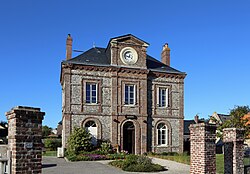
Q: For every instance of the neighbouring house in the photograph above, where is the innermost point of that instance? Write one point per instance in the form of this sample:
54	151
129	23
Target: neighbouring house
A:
186	132
218	119
122	94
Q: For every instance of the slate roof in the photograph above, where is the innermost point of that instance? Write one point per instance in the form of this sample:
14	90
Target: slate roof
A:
97	56
224	117
186	126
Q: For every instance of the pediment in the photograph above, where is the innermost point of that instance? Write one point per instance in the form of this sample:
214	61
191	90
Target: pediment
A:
129	39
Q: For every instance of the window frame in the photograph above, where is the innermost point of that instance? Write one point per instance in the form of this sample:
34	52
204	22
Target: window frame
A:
163	103
127	101
91	92
159	135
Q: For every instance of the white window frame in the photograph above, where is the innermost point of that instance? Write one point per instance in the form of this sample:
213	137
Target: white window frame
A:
91	90
160	134
160	96
129	99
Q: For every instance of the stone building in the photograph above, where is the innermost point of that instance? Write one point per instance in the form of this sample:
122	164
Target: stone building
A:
121	94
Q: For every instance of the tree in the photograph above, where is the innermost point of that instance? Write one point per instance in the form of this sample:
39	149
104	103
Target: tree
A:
46	131
236	120
79	140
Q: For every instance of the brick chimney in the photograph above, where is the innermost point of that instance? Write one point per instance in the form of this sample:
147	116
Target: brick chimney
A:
69	47
165	55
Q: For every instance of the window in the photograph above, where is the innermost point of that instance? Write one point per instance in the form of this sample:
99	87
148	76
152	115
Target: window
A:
91	93
163	97
129	94
162	134
92	129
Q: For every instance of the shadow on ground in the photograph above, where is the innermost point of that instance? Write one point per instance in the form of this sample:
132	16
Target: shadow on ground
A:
48	165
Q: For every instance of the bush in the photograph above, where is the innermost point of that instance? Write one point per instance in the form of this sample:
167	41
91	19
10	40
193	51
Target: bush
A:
79	140
135	163
106	147
52	143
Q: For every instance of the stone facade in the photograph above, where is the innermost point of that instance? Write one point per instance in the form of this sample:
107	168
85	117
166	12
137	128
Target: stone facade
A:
25	139
203	156
110	114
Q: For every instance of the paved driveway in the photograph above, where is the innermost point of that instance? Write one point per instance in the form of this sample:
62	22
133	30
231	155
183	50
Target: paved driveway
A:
53	165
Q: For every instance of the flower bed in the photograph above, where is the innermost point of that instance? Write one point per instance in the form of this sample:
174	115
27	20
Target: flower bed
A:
137	163
94	156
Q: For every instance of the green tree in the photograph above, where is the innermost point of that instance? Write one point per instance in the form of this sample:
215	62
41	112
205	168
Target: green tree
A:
46	131
236	120
79	140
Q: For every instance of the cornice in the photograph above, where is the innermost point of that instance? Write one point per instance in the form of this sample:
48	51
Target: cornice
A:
167	75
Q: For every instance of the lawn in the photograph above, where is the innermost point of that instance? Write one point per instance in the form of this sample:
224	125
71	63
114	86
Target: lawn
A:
50	153
185	159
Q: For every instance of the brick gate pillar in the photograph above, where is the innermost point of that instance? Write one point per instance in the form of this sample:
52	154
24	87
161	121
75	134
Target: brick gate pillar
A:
233	150
25	139
202	149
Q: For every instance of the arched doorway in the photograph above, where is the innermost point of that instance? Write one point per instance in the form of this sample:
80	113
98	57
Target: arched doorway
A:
92	128
129	137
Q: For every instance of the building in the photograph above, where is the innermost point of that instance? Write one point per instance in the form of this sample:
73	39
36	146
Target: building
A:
218	119
121	94
186	131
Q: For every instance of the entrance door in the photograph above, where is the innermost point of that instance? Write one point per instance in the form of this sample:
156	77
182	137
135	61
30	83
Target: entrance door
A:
129	137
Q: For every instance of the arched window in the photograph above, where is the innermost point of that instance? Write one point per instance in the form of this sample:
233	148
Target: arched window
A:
92	128
162	134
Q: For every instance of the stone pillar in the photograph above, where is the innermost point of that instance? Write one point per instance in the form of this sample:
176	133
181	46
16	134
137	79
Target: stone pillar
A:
25	139
202	149
233	150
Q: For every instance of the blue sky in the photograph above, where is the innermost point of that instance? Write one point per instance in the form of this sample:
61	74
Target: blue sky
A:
209	40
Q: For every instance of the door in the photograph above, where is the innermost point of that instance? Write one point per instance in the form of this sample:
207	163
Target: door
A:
129	137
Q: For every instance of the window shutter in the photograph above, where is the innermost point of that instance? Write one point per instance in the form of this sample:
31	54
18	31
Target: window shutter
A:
167	97
157	97
135	96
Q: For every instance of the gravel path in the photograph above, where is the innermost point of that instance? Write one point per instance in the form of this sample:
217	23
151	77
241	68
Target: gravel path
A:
53	165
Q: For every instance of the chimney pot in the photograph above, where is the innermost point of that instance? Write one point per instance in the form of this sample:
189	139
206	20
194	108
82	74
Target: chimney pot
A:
69	47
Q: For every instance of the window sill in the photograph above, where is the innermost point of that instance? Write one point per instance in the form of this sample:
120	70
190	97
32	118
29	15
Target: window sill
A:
165	145
91	104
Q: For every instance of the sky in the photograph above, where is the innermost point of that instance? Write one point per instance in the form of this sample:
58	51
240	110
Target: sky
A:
209	40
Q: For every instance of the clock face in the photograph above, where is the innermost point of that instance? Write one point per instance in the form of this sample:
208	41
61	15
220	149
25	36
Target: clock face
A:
128	55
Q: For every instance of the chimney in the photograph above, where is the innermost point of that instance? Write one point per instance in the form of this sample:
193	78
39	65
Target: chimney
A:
196	119
165	55
69	47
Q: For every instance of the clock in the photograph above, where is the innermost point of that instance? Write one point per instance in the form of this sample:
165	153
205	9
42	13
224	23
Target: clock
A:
128	55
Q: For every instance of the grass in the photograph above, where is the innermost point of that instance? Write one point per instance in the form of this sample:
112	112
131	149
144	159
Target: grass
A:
185	159
50	153
219	163
180	158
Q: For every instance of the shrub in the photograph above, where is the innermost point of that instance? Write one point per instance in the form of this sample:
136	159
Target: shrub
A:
135	163
106	147
79	140
52	143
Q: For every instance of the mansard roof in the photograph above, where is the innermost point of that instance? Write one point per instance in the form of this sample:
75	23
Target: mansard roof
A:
98	57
